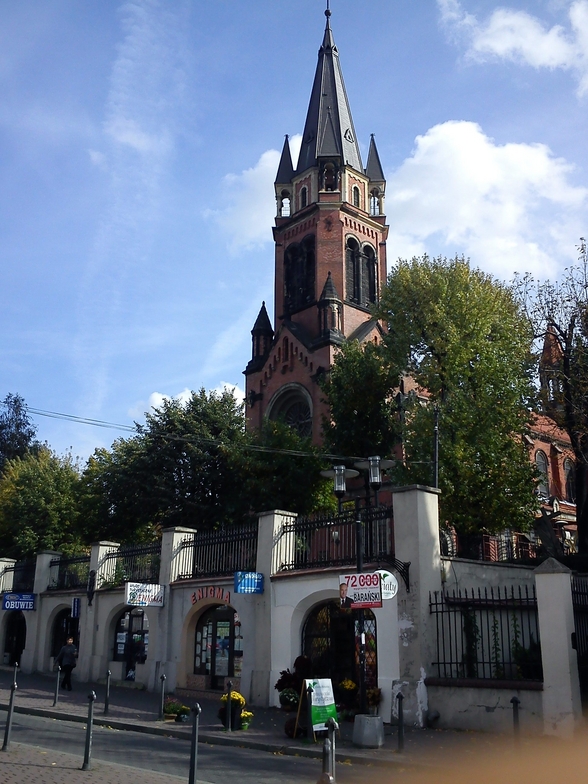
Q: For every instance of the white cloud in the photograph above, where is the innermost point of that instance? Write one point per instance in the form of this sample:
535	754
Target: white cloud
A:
517	36
509	207
237	392
251	202
156	400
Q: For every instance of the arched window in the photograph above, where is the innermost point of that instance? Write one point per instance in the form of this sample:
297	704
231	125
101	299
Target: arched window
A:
285	204
570	475
218	645
375	202
331	641
368	276
299	272
352	271
329	177
356	202
303	197
64	626
292	405
542	467
131	640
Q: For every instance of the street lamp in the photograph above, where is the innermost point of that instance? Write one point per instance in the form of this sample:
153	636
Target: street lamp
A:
340	474
374	466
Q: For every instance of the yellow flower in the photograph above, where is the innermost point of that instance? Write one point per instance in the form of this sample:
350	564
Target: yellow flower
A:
236	698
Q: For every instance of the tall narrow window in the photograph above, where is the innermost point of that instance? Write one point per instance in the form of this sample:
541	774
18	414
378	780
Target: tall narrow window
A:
542	467
352	271
355	196
570	474
368	276
303	198
285	205
375	202
299	274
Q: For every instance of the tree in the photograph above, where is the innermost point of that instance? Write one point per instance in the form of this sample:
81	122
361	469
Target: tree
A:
38	504
17	432
559	312
466	342
358	389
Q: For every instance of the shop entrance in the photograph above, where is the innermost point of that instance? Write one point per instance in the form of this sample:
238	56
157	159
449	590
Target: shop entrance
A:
218	646
16	637
64	626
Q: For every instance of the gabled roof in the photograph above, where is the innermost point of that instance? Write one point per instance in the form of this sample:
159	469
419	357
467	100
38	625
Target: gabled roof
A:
285	169
373	169
328	130
364	330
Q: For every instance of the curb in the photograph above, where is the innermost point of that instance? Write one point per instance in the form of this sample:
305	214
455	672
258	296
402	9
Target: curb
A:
342	756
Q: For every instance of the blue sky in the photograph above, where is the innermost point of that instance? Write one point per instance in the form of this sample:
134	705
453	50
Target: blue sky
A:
139	143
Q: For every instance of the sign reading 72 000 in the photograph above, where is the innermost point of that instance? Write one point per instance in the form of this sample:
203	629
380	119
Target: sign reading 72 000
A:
19	601
360	590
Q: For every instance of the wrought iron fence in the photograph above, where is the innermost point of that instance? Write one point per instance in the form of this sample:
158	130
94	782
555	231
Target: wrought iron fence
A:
489	634
508	546
580	603
331	540
20	577
69	573
139	564
218	553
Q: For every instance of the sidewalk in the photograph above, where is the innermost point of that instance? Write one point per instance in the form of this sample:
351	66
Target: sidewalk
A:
136	710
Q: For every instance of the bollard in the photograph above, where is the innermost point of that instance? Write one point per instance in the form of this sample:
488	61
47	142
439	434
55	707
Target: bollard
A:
8	727
228	717
162	696
400	697
332	728
89	727
327	774
57	679
515	720
309	693
196	710
107	695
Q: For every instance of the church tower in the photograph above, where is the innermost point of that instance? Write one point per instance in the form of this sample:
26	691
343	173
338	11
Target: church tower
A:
330	258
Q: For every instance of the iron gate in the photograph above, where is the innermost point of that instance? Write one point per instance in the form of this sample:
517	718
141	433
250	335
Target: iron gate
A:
580	602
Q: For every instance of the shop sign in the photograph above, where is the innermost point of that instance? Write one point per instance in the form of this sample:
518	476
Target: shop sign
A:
212	592
144	594
322	701
389	584
19	601
248	582
360	591
75	607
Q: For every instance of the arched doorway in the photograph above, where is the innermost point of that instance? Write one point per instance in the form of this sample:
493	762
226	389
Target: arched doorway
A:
131	640
218	646
330	640
64	626
15	638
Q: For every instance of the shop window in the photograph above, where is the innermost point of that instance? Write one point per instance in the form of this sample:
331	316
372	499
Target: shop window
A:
542	468
218	645
131	640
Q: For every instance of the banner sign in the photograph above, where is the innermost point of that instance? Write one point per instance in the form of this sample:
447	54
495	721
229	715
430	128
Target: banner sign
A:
75	607
360	591
248	582
19	601
144	594
389	584
322	702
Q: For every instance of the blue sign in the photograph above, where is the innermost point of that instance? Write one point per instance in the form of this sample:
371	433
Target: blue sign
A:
248	582
19	601
75	607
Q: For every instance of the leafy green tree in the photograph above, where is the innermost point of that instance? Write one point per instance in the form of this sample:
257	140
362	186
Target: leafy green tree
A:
359	391
465	340
38	504
559	312
17	432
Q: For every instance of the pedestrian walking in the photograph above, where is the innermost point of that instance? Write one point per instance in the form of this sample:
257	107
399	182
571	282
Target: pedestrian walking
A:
66	659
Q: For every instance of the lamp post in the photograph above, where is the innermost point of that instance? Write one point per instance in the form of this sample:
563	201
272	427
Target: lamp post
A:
340	474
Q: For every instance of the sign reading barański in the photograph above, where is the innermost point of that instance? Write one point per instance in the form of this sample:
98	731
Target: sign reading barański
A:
144	595
360	591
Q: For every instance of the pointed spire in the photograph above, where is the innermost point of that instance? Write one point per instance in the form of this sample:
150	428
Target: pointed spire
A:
329	130
373	169
285	169
263	325
329	290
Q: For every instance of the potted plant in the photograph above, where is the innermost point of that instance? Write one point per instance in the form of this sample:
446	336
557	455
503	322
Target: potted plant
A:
237	705
183	714
373	697
289	699
246	717
171	707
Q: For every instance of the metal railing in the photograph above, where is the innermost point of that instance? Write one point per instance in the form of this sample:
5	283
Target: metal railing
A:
218	553
69	573
507	547
139	564
489	634
331	540
20	577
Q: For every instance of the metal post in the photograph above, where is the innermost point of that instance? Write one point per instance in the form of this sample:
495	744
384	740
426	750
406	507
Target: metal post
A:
332	728
515	720
361	617
228	717
8	727
436	448
309	693
196	710
89	727
327	774
107	695
57	679
400	697
162	678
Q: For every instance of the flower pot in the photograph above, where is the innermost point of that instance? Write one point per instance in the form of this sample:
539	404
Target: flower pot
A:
235	717
182	717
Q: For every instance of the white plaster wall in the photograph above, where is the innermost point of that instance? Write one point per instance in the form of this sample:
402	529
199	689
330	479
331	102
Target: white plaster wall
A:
459	573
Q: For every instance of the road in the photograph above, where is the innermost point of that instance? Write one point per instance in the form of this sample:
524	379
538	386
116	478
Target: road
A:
216	764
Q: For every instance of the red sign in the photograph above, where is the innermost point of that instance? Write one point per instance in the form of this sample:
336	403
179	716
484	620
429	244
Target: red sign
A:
212	592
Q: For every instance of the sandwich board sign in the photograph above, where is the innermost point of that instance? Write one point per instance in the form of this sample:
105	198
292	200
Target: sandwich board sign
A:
322	702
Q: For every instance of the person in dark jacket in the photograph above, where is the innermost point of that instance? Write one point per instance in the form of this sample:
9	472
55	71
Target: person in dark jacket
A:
66	658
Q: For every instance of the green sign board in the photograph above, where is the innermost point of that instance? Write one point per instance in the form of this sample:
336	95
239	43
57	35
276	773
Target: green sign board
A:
322	702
